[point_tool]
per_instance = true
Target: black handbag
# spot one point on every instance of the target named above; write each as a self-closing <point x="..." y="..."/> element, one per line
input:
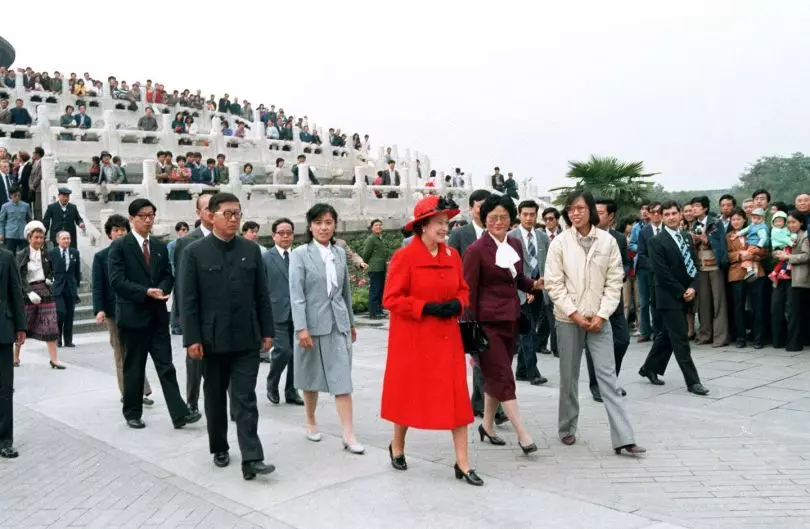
<point x="472" y="334"/>
<point x="524" y="324"/>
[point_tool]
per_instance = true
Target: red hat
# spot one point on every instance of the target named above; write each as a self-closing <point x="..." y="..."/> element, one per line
<point x="430" y="206"/>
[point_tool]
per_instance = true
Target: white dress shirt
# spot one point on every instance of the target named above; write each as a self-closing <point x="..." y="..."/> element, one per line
<point x="35" y="270"/>
<point x="478" y="230"/>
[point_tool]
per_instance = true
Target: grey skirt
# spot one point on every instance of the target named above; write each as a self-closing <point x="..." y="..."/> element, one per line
<point x="327" y="367"/>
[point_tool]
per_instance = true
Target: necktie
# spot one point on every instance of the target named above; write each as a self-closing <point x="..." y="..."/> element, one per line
<point x="655" y="230"/>
<point x="551" y="236"/>
<point x="65" y="258"/>
<point x="533" y="255"/>
<point x="146" y="255"/>
<point x="287" y="259"/>
<point x="687" y="257"/>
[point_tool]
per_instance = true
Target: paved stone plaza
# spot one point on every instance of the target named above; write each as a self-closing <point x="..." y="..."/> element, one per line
<point x="738" y="458"/>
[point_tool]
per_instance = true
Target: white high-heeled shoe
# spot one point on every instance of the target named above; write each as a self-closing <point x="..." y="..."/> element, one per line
<point x="354" y="448"/>
<point x="315" y="437"/>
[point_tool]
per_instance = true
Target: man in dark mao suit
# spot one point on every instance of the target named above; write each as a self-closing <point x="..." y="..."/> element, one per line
<point x="63" y="216"/>
<point x="12" y="330"/>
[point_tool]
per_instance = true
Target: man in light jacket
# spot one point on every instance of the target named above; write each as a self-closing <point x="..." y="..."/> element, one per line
<point x="584" y="280"/>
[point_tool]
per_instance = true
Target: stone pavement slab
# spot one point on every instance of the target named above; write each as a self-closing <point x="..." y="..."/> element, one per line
<point x="738" y="458"/>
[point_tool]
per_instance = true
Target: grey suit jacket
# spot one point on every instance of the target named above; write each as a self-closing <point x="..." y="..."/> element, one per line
<point x="311" y="308"/>
<point x="462" y="237"/>
<point x="278" y="284"/>
<point x="541" y="245"/>
<point x="179" y="247"/>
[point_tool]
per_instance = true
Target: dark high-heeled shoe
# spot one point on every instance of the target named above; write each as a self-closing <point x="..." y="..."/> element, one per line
<point x="398" y="462"/>
<point x="494" y="439"/>
<point x="528" y="449"/>
<point x="57" y="366"/>
<point x="633" y="450"/>
<point x="470" y="476"/>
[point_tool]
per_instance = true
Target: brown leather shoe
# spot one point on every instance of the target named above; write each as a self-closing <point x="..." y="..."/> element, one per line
<point x="569" y="440"/>
<point x="642" y="339"/>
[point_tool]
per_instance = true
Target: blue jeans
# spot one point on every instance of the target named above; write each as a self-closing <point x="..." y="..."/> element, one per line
<point x="644" y="296"/>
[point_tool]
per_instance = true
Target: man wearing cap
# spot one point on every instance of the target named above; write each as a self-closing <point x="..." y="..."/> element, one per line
<point x="63" y="216"/>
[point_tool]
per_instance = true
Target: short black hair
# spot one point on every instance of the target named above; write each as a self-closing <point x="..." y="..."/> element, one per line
<point x="477" y="195"/>
<point x="250" y="225"/>
<point x="728" y="196"/>
<point x="654" y="204"/>
<point x="317" y="211"/>
<point x="221" y="198"/>
<point x="798" y="215"/>
<point x="210" y="160"/>
<point x="669" y="204"/>
<point x="492" y="202"/>
<point x="609" y="203"/>
<point x="300" y="156"/>
<point x="244" y="167"/>
<point x="762" y="191"/>
<point x="14" y="189"/>
<point x="703" y="200"/>
<point x="781" y="206"/>
<point x="373" y="222"/>
<point x="180" y="225"/>
<point x="546" y="211"/>
<point x="279" y="222"/>
<point x="138" y="204"/>
<point x="528" y="204"/>
<point x="590" y="202"/>
<point x="116" y="221"/>
<point x="39" y="151"/>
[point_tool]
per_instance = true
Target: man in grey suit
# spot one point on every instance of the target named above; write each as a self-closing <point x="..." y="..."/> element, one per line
<point x="535" y="247"/>
<point x="277" y="267"/>
<point x="460" y="239"/>
<point x="227" y="318"/>
<point x="194" y="368"/>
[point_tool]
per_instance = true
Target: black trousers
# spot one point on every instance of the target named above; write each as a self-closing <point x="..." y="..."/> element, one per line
<point x="753" y="292"/>
<point x="238" y="371"/>
<point x="6" y="394"/>
<point x="547" y="327"/>
<point x="778" y="313"/>
<point x="672" y="338"/>
<point x="65" y="310"/>
<point x="621" y="341"/>
<point x="527" y="343"/>
<point x="281" y="359"/>
<point x="13" y="245"/>
<point x="797" y="321"/>
<point x="194" y="373"/>
<point x="153" y="340"/>
<point x="376" y="283"/>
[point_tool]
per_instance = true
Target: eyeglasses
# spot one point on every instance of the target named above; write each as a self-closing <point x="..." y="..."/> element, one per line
<point x="499" y="218"/>
<point x="284" y="233"/>
<point x="230" y="214"/>
<point x="146" y="216"/>
<point x="577" y="209"/>
<point x="550" y="218"/>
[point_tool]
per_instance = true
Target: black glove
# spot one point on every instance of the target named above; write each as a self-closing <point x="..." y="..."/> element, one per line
<point x="433" y="309"/>
<point x="451" y="308"/>
<point x="447" y="309"/>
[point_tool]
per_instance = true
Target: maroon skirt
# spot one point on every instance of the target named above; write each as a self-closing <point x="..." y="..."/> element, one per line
<point x="42" y="320"/>
<point x="496" y="361"/>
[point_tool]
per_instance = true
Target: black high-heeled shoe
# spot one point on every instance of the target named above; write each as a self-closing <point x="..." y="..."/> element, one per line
<point x="398" y="462"/>
<point x="56" y="366"/>
<point x="528" y="449"/>
<point x="632" y="450"/>
<point x="494" y="439"/>
<point x="470" y="476"/>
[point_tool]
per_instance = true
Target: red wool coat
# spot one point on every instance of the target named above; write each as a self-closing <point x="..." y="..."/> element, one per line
<point x="425" y="384"/>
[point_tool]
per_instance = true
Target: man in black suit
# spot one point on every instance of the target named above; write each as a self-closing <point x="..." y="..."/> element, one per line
<point x="391" y="178"/>
<point x="607" y="209"/>
<point x="141" y="276"/>
<point x="194" y="368"/>
<point x="116" y="226"/>
<point x="227" y="318"/>
<point x="303" y="159"/>
<point x="277" y="267"/>
<point x="648" y="318"/>
<point x="546" y="328"/>
<point x="675" y="279"/>
<point x="460" y="239"/>
<point x="67" y="275"/>
<point x="63" y="216"/>
<point x="12" y="330"/>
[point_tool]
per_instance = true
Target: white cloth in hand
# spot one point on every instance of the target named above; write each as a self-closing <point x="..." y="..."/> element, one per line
<point x="49" y="282"/>
<point x="34" y="297"/>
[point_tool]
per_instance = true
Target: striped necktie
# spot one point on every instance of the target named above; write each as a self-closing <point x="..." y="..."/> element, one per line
<point x="533" y="254"/>
<point x="688" y="262"/>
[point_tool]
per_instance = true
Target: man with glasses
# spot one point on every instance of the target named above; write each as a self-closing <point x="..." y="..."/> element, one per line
<point x="227" y="320"/>
<point x="547" y="328"/>
<point x="194" y="368"/>
<point x="141" y="276"/>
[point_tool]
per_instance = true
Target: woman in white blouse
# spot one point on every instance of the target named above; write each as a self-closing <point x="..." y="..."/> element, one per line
<point x="36" y="273"/>
<point x="321" y="304"/>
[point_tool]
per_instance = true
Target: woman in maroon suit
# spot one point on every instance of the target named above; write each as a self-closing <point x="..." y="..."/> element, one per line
<point x="493" y="268"/>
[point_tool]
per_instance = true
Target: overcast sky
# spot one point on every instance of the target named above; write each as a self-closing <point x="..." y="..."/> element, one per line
<point x="697" y="89"/>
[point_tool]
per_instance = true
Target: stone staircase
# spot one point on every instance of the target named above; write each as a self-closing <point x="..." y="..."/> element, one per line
<point x="85" y="320"/>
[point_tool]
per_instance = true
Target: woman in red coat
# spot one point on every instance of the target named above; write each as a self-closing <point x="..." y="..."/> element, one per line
<point x="425" y="384"/>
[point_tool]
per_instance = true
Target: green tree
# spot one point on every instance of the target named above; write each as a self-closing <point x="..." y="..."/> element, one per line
<point x="784" y="177"/>
<point x="625" y="182"/>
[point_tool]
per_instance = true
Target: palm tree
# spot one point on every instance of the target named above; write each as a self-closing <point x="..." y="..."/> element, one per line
<point x="608" y="177"/>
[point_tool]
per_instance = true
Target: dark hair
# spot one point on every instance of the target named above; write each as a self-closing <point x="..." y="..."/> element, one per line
<point x="703" y="200"/>
<point x="728" y="197"/>
<point x="279" y="160"/>
<point x="244" y="168"/>
<point x="669" y="204"/>
<point x="161" y="153"/>
<point x="798" y="215"/>
<point x="781" y="206"/>
<point x="492" y="202"/>
<point x="317" y="211"/>
<point x="373" y="222"/>
<point x="528" y="204"/>
<point x="138" y="204"/>
<point x="279" y="222"/>
<point x="197" y="223"/>
<point x="250" y="225"/>
<point x="116" y="221"/>
<point x="478" y="194"/>
<point x="221" y="198"/>
<point x="741" y="213"/>
<point x="609" y="203"/>
<point x="550" y="210"/>
<point x="13" y="190"/>
<point x="210" y="160"/>
<point x="300" y="156"/>
<point x="39" y="151"/>
<point x="762" y="191"/>
<point x="654" y="204"/>
<point x="573" y="196"/>
<point x="180" y="225"/>
<point x="644" y="204"/>
<point x="116" y="159"/>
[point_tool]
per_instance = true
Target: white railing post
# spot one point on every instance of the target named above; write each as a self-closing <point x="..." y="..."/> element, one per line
<point x="360" y="191"/>
<point x="149" y="185"/>
<point x="49" y="184"/>
<point x="19" y="87"/>
<point x="42" y="133"/>
<point x="166" y="131"/>
<point x="234" y="182"/>
<point x="110" y="139"/>
<point x="440" y="184"/>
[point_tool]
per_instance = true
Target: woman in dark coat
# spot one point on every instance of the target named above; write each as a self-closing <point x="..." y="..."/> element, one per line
<point x="426" y="387"/>
<point x="493" y="268"/>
